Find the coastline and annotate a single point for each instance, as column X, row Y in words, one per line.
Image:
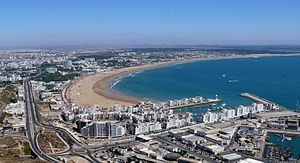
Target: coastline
column 97, row 89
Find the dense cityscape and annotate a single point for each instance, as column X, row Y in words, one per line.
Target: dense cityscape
column 135, row 81
column 39, row 114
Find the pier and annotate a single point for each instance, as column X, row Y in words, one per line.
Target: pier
column 287, row 132
column 261, row 100
column 208, row 101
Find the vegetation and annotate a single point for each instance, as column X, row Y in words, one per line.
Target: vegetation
column 51, row 137
column 97, row 56
column 3, row 84
column 47, row 65
column 27, row 149
column 49, row 87
column 20, row 160
column 48, row 77
column 7, row 94
column 2, row 116
column 11, row 148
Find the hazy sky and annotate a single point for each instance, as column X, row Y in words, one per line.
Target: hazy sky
column 128, row 22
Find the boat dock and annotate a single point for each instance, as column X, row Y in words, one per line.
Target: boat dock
column 264, row 143
column 261, row 100
column 208, row 101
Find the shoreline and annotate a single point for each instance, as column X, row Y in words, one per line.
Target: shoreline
column 98, row 89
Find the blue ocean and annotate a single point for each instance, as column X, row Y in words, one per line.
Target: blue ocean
column 274, row 78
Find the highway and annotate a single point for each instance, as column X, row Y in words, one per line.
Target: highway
column 31, row 124
column 32, row 130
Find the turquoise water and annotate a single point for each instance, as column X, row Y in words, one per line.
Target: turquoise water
column 294, row 144
column 274, row 78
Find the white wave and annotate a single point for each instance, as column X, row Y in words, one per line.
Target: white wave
column 137, row 72
column 116, row 83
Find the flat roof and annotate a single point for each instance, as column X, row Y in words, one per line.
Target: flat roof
column 224, row 124
column 216, row 148
column 189, row 160
column 228, row 130
column 144, row 137
column 184, row 133
column 231, row 156
column 249, row 160
column 215, row 137
column 277, row 114
column 179, row 130
column 194, row 138
column 197, row 127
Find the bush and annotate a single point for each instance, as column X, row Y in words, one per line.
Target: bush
column 27, row 149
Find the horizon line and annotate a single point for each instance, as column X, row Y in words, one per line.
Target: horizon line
column 108, row 46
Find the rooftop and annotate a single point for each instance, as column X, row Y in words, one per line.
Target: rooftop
column 285, row 113
column 231, row 156
column 214, row 137
column 194, row 138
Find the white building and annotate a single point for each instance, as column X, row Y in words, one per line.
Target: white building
column 209, row 117
column 147, row 127
column 15, row 108
column 102, row 130
column 226, row 114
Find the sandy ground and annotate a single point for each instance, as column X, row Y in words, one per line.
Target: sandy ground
column 92, row 90
column 96, row 89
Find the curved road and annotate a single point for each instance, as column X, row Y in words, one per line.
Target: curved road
column 32, row 131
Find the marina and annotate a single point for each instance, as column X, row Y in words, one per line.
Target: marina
column 287, row 145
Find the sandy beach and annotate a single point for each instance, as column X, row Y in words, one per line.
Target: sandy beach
column 96, row 89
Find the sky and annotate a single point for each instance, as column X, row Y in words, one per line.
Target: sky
column 38, row 23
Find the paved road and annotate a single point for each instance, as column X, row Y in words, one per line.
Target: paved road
column 31, row 124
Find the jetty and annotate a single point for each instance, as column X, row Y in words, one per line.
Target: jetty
column 262, row 100
column 287, row 132
column 208, row 101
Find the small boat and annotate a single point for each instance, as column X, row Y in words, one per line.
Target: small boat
column 223, row 104
column 232, row 81
column 288, row 138
column 224, row 75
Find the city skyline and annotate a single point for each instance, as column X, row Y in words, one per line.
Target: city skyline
column 198, row 81
column 135, row 23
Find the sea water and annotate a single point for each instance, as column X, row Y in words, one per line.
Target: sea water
column 274, row 78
